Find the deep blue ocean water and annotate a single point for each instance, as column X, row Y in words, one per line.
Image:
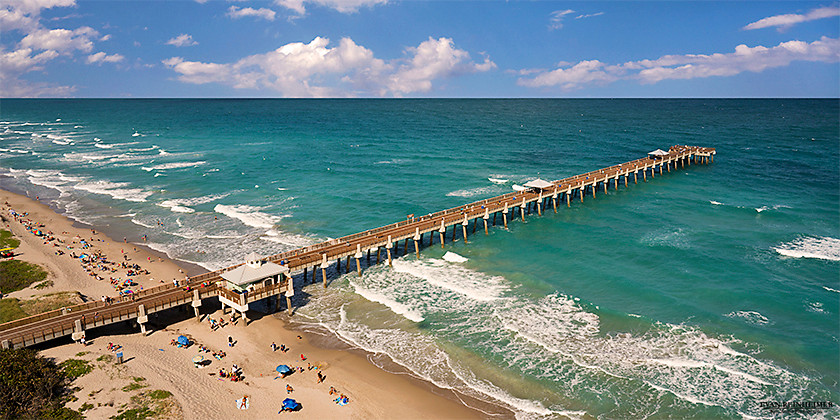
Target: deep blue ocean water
column 698, row 294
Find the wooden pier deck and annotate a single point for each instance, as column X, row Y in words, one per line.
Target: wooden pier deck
column 307, row 260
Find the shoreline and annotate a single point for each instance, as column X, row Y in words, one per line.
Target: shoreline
column 357, row 375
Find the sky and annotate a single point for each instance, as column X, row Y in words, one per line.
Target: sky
column 418, row 49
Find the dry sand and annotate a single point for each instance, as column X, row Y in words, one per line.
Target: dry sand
column 200, row 393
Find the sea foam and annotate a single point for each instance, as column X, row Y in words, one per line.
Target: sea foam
column 116, row 190
column 824, row 248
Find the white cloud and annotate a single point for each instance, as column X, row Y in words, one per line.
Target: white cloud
column 23, row 60
column 24, row 14
column 585, row 72
column 13, row 87
column 349, row 69
column 15, row 63
column 101, row 57
column 785, row 21
column 198, row 72
column 343, row 6
column 589, row 15
column 105, row 38
column 294, row 5
column 35, row 6
column 40, row 45
column 556, row 18
column 689, row 66
column 432, row 59
column 61, row 40
column 182, row 40
column 236, row 13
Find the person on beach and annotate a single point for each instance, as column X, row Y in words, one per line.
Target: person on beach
column 273, row 346
column 302, row 357
column 230, row 341
column 289, row 389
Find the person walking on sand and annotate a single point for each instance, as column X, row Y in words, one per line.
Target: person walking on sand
column 273, row 346
column 230, row 341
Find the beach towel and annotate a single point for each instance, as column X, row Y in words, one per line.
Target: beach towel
column 243, row 405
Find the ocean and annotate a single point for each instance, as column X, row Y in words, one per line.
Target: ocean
column 708, row 292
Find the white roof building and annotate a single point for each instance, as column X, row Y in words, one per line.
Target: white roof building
column 539, row 184
column 254, row 270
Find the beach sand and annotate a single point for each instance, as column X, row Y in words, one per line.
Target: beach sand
column 200, row 393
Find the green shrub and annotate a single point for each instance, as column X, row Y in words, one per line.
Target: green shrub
column 10, row 310
column 75, row 368
column 139, row 413
column 43, row 285
column 7, row 240
column 159, row 394
column 17, row 275
column 31, row 386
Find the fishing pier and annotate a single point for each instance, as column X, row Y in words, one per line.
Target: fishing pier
column 305, row 263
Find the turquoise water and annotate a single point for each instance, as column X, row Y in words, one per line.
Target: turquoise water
column 698, row 294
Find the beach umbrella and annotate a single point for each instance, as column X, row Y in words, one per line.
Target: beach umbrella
column 283, row 369
column 198, row 359
column 290, row 404
column 183, row 340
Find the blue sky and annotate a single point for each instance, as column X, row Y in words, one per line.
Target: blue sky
column 418, row 48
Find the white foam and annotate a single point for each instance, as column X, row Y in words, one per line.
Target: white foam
column 173, row 165
column 474, row 191
column 392, row 162
column 676, row 238
column 497, row 180
column 455, row 278
column 103, row 146
column 815, row 307
column 249, row 215
column 225, row 236
column 286, row 238
column 775, row 207
column 116, row 190
column 831, row 290
column 60, row 142
column 717, row 203
column 824, row 248
column 453, row 257
column 396, row 307
column 751, row 317
column 175, row 207
column 140, row 223
column 136, row 134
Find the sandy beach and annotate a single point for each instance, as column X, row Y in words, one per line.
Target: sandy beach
column 151, row 362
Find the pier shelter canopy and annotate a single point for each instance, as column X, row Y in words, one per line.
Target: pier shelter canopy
column 253, row 273
column 658, row 153
column 539, row 184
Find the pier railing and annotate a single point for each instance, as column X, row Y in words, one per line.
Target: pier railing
column 57, row 323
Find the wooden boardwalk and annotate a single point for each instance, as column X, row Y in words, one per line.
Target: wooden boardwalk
column 307, row 260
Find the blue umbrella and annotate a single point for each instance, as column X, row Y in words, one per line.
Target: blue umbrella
column 183, row 340
column 290, row 404
column 283, row 369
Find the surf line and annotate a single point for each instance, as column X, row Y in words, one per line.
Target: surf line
column 267, row 278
